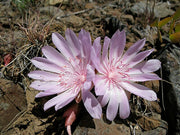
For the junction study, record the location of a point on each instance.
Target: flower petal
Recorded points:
(124, 109)
(45, 64)
(96, 61)
(92, 105)
(64, 102)
(140, 90)
(97, 47)
(144, 77)
(73, 42)
(85, 40)
(104, 99)
(90, 73)
(87, 86)
(54, 56)
(105, 48)
(112, 107)
(44, 85)
(132, 51)
(43, 94)
(100, 85)
(145, 67)
(139, 57)
(62, 45)
(60, 100)
(43, 75)
(151, 66)
(117, 44)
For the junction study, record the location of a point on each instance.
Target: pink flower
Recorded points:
(67, 74)
(117, 73)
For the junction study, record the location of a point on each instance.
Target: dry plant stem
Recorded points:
(20, 114)
(162, 90)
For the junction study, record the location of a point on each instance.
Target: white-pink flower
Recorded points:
(118, 72)
(67, 74)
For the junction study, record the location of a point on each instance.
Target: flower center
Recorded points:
(82, 78)
(73, 75)
(111, 74)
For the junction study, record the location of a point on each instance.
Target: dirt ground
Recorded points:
(26, 28)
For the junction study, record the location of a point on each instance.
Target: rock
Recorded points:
(160, 10)
(72, 21)
(148, 123)
(160, 130)
(12, 101)
(51, 10)
(101, 128)
(171, 91)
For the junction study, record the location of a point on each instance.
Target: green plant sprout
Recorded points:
(174, 30)
(22, 5)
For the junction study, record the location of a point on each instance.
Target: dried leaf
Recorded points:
(176, 14)
(159, 35)
(177, 28)
(155, 23)
(171, 27)
(164, 21)
(175, 37)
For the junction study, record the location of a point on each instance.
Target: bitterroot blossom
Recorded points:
(118, 72)
(67, 73)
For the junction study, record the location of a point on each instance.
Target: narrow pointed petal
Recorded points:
(64, 102)
(85, 40)
(132, 51)
(92, 105)
(103, 100)
(145, 67)
(44, 85)
(151, 65)
(73, 42)
(54, 56)
(140, 90)
(62, 45)
(97, 47)
(60, 100)
(140, 57)
(43, 75)
(90, 73)
(144, 77)
(100, 85)
(105, 48)
(45, 64)
(96, 61)
(43, 94)
(117, 44)
(124, 109)
(112, 107)
(87, 86)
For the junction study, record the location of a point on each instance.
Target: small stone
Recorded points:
(55, 2)
(90, 5)
(128, 18)
(73, 20)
